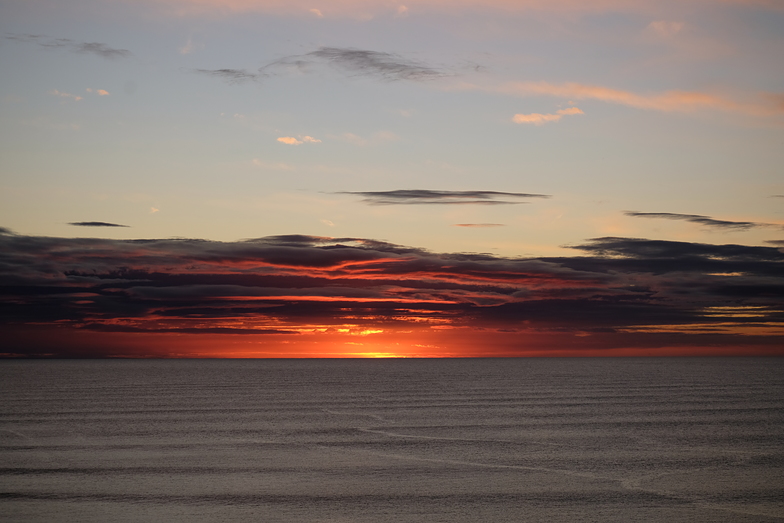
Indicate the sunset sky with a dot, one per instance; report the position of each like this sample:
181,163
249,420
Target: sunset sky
330,178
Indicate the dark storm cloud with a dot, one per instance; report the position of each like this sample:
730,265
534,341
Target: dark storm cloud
697,218
76,46
97,224
422,196
283,284
233,76
775,242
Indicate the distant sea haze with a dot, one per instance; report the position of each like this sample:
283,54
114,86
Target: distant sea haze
429,440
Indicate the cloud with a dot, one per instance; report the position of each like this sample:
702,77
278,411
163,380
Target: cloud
619,292
668,101
290,140
539,119
153,210
359,62
76,46
350,61
478,225
97,224
233,76
424,196
702,220
99,92
55,92
317,13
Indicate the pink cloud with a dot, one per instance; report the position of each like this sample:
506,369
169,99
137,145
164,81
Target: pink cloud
539,119
668,101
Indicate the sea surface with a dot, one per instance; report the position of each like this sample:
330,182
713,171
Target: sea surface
448,440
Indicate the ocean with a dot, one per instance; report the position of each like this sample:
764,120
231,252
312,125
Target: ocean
393,440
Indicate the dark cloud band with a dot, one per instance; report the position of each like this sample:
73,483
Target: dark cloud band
629,290
76,46
349,61
423,196
702,220
97,224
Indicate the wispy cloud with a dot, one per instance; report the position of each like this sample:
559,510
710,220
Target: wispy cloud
76,46
702,220
349,61
668,101
539,119
97,224
290,140
233,76
428,197
60,94
99,92
360,62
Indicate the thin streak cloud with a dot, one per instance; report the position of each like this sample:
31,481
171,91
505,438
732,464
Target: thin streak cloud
702,220
539,119
349,61
668,101
232,76
428,197
97,224
384,66
75,46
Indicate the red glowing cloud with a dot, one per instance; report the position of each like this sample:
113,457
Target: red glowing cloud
302,296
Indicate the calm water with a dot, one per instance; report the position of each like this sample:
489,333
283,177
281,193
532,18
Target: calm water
453,441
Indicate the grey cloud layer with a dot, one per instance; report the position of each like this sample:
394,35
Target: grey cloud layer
96,48
424,196
702,220
354,62
385,66
97,224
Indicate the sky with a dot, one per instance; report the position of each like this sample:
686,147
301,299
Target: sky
427,178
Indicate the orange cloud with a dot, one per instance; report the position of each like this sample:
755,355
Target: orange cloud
55,92
289,140
539,119
668,101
